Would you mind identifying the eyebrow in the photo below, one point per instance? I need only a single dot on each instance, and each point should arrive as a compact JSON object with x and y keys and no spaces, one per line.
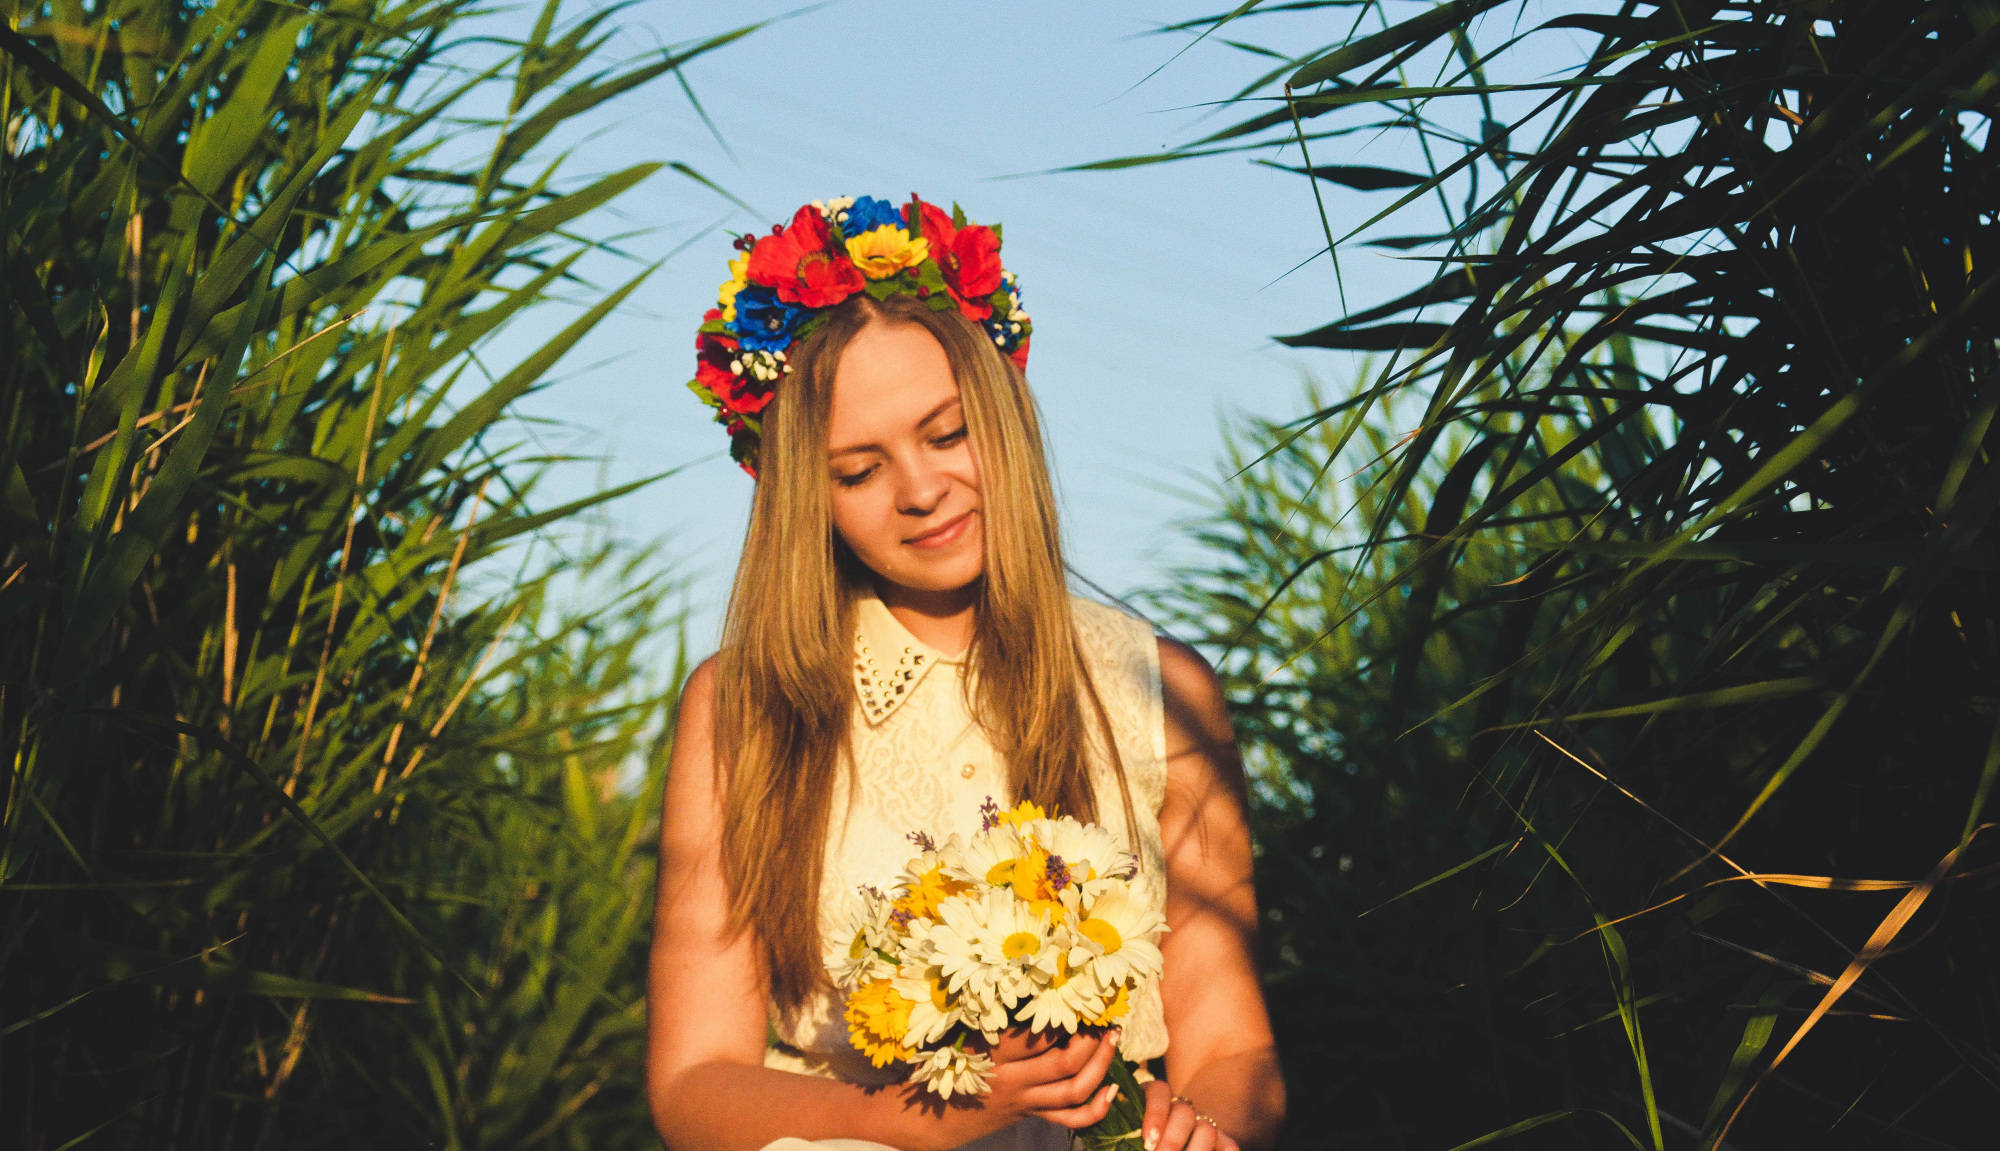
{"x":933,"y":414}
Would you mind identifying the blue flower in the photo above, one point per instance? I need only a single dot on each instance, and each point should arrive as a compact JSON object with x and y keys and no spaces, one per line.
{"x":764,"y":322}
{"x":868,"y":214}
{"x":1005,"y":330}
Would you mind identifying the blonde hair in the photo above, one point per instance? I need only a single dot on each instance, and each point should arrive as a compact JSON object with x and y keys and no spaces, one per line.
{"x":783,"y":690}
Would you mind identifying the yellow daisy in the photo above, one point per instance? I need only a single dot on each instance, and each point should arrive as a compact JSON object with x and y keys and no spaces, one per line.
{"x":877,"y":1019}
{"x":1022,"y":812}
{"x":1113,"y":1011}
{"x":886,"y":250}
{"x":929,"y":880}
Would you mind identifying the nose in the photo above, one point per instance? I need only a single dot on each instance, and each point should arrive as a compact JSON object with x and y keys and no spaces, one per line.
{"x":920,"y":487}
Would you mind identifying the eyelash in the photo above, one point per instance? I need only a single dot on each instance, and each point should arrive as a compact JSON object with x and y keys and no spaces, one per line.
{"x":950,"y":439}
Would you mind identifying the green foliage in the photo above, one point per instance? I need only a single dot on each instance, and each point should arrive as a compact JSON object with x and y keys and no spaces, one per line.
{"x":315,"y":826}
{"x":1656,"y":670}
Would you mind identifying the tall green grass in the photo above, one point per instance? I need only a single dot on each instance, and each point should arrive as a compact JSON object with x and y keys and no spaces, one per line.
{"x":314,"y":821}
{"x":1643,"y":684}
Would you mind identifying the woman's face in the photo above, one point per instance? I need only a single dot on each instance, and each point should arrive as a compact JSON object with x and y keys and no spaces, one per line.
{"x":904,"y":481}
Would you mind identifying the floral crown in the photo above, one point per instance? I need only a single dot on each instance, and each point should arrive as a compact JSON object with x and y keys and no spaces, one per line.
{"x":781,"y":287}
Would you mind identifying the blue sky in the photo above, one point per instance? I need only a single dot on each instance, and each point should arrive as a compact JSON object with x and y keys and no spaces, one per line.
{"x":1155,"y":290}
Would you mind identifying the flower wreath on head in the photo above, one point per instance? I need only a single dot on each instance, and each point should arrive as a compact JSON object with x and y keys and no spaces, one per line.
{"x":782,"y":285}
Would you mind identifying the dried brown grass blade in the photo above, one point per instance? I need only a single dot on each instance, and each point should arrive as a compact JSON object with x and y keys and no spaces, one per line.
{"x":340,"y":581}
{"x":1741,"y":871}
{"x":1817,"y":882}
{"x":1878,"y":944}
{"x":464,"y":689}
{"x":1585,"y":934}
{"x":229,"y":633}
{"x":430,"y":634}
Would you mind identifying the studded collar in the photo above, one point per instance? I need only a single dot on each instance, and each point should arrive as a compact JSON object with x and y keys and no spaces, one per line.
{"x":889,"y":662}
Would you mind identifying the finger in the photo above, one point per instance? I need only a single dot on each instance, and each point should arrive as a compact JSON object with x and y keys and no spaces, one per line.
{"x":1018,"y":1043}
{"x":1077,"y":1088}
{"x":1179,"y":1129}
{"x":1085,"y":1115}
{"x":1058,"y":1063}
{"x":1071,"y":1090}
{"x":1203,"y":1137}
{"x":1159,"y":1100}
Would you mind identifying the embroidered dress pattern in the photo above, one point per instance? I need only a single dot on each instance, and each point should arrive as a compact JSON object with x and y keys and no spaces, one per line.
{"x":920,"y":761}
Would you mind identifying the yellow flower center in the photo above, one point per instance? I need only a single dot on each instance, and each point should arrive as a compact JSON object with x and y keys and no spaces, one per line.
{"x":1101,"y":932}
{"x":1020,"y":944}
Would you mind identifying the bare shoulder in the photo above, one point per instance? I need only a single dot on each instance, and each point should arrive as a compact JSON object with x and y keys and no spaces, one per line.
{"x":693,"y":791}
{"x":698,"y":692}
{"x":1192,"y":693}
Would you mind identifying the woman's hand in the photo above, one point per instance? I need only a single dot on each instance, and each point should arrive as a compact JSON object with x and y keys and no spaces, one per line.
{"x":1173,"y":1124}
{"x":1054,"y":1077}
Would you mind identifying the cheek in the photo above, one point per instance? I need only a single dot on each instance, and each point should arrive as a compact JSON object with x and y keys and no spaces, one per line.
{"x":966,"y":466}
{"x":851,"y":519}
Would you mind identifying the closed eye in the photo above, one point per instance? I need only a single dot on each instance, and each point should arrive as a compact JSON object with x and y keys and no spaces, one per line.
{"x":950,"y":439}
{"x":853,"y":479}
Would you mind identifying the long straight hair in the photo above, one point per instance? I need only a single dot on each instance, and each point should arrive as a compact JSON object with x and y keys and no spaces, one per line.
{"x":784,"y":693}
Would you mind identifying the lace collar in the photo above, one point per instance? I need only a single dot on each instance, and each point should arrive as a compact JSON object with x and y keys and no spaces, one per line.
{"x":889,"y":662}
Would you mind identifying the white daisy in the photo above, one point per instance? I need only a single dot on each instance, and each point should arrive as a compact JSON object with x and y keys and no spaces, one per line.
{"x":867,"y":949}
{"x":1067,"y":1001}
{"x":1087,"y":850}
{"x":953,"y":1070}
{"x":921,"y":980}
{"x":990,"y":855}
{"x":994,"y":946}
{"x":1116,"y":936}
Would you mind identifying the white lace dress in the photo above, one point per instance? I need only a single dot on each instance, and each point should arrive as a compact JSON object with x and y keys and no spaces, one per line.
{"x":920,"y":762}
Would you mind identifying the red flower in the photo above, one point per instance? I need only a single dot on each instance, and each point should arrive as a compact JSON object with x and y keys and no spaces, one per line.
{"x":737,"y":393}
{"x":969,"y":257}
{"x":750,"y":396}
{"x":801,"y":264}
{"x":712,"y":354}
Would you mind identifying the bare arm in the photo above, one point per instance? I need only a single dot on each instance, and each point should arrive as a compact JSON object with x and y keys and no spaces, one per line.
{"x":706,"y":992}
{"x":1221,"y":1057}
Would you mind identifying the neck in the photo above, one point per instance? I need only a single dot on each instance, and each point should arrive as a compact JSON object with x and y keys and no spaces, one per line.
{"x":941,"y":619}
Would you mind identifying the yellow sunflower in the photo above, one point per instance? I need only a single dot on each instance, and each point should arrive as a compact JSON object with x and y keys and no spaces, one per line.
{"x":877,"y":1019}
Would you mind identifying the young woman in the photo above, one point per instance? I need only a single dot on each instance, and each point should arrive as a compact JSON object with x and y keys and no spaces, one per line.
{"x":899,"y":646}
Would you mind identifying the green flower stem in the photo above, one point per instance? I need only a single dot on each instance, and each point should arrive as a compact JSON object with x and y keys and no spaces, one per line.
{"x":1119,"y":1130}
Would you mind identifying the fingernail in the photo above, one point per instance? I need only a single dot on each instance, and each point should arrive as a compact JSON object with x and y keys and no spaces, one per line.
{"x":1151,"y":1140}
{"x":1111,"y":1096}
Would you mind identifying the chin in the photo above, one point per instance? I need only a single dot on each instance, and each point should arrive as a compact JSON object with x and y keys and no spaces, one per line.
{"x":938,"y":579}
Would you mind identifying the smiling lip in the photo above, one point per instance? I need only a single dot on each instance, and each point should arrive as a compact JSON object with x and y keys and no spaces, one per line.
{"x":943,"y":534}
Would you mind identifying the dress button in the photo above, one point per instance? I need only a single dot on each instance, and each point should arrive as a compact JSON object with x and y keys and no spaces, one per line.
{"x":967,"y":771}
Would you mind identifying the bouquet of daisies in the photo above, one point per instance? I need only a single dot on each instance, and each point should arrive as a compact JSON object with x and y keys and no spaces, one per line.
{"x":1037,"y":920}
